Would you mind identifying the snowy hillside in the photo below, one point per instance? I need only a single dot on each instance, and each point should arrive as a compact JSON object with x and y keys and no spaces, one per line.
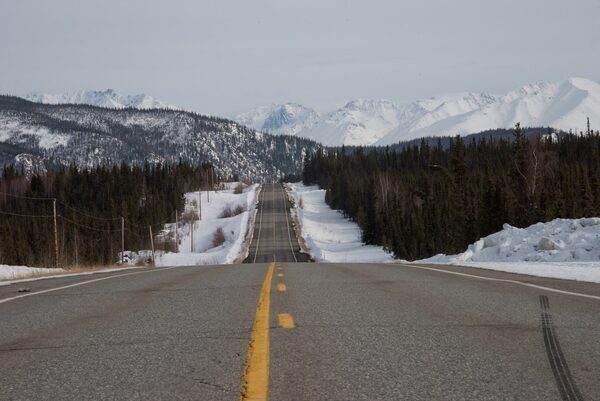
{"x":89,"y":136}
{"x":561,"y":248}
{"x":563,"y":105}
{"x":106,"y":98}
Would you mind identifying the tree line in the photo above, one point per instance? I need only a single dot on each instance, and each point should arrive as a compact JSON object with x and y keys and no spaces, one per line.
{"x":423,"y":199}
{"x":91,"y":206}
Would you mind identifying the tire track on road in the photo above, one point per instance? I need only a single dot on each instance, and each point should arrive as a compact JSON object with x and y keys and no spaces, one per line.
{"x":564,"y":380}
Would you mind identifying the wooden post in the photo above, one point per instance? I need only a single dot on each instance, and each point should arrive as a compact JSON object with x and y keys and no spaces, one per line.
{"x":55,"y":236}
{"x":152,"y":244}
{"x":122,"y":240}
{"x":176,"y":234}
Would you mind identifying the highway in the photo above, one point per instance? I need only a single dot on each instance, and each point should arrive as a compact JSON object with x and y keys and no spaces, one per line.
{"x":281,"y":330}
{"x":274,"y":237}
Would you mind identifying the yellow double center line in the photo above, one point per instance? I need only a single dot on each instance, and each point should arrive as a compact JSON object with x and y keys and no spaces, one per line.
{"x":256,"y":377}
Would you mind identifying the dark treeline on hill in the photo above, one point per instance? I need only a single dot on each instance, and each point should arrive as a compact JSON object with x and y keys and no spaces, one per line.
{"x":90,"y":204}
{"x":423,"y":199}
{"x":488,"y":135}
{"x":47,"y":136}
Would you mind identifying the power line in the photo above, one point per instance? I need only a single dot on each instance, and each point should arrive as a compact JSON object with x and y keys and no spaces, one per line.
{"x":26,"y":215}
{"x":24,"y":197}
{"x":88,"y":227}
{"x":89,"y":215}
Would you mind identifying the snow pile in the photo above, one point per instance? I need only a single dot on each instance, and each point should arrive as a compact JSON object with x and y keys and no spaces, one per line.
{"x":561,"y":248}
{"x":234,"y":228}
{"x":19,"y":272}
{"x":327,"y":233}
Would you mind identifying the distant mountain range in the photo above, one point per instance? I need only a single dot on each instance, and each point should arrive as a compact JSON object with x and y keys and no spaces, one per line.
{"x":105,"y":98}
{"x":37,"y":136}
{"x":272,"y":140}
{"x":564,"y":105}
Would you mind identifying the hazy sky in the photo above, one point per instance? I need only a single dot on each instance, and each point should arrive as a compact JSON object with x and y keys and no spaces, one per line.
{"x":223,"y":57}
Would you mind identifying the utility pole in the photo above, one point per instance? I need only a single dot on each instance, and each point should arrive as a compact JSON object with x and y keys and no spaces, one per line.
{"x":208,"y":189}
{"x":176,"y":237}
{"x":192,"y":236}
{"x":122,"y":240}
{"x":152,"y":244}
{"x":200,"y":203}
{"x":76,"y":249}
{"x":55,"y":235}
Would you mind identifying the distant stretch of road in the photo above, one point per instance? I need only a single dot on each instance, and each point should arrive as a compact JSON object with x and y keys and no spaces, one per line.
{"x":299,"y":331}
{"x":274,"y":238}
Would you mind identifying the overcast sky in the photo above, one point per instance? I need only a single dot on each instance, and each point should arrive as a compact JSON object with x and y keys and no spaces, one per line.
{"x":224,"y":57}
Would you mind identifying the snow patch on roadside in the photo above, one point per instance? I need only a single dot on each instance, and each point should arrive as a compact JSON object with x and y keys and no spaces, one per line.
{"x":234,"y":228}
{"x":327,"y":233}
{"x":562,"y":248}
{"x":21,"y":274}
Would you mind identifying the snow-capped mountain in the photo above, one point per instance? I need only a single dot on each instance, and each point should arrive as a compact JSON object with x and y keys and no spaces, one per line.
{"x":106,"y":98}
{"x":358,"y":122}
{"x":34,"y":136}
{"x":563,"y":105}
{"x":280,"y":119}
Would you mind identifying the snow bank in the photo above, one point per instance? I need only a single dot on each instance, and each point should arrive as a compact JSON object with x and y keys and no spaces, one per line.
{"x":19,"y":272}
{"x":235,"y":228}
{"x":327,"y":233}
{"x":561,"y":248}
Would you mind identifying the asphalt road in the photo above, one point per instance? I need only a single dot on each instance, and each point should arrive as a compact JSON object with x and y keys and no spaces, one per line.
{"x":274,"y":238}
{"x":358,"y":332}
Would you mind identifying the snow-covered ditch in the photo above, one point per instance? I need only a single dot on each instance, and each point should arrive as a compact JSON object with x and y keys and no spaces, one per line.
{"x":328,"y":235}
{"x":562,"y":248}
{"x":206,"y":249}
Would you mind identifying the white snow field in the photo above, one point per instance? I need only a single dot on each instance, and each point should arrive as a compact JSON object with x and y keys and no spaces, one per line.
{"x":562,"y":248}
{"x":235,"y":228}
{"x":329,"y":236}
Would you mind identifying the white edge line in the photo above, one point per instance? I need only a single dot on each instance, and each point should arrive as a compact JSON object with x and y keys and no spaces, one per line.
{"x":540,"y":287}
{"x":82,"y":283}
{"x":287,"y":223}
{"x":262,"y":192}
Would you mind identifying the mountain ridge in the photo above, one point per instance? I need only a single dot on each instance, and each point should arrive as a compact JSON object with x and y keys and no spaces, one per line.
{"x":101,"y":98}
{"x":59,"y":135}
{"x":563,"y":105}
